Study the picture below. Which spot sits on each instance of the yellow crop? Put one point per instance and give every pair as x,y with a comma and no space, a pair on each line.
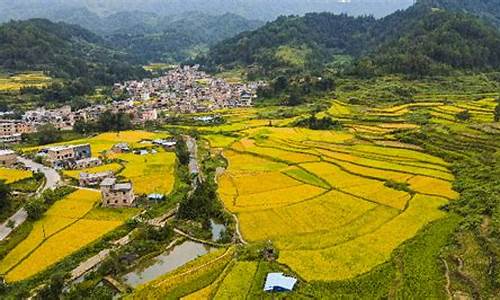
361,254
238,282
263,182
70,224
114,167
432,186
61,245
151,173
105,141
323,213
276,198
14,175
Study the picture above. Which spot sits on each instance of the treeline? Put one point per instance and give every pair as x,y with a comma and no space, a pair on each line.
417,42
72,54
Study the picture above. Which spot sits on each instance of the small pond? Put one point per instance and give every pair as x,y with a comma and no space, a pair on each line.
217,230
166,262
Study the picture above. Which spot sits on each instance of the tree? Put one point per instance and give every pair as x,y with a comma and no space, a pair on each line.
200,205
48,134
54,289
182,151
4,194
109,121
35,208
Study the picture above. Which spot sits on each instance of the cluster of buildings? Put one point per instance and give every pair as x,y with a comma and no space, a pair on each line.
189,90
77,157
182,90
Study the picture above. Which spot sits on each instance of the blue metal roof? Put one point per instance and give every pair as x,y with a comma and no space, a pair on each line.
279,282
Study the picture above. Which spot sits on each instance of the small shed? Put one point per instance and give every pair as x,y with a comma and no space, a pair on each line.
156,197
277,282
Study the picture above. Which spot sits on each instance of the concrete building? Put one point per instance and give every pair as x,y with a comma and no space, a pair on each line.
86,163
63,155
116,194
120,148
87,179
8,158
11,139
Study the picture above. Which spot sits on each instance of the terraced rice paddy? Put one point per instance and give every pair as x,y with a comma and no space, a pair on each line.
151,173
113,167
324,198
69,225
105,141
18,81
14,175
204,273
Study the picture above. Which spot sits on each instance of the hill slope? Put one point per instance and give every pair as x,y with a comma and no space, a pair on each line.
65,51
181,38
419,40
486,9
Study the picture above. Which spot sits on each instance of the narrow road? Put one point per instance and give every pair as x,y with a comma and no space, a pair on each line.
193,155
52,179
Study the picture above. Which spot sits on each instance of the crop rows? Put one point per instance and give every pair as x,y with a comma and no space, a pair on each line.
325,200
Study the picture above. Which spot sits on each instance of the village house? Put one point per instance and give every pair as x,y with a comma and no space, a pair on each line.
64,155
87,179
86,163
167,144
116,194
120,148
8,158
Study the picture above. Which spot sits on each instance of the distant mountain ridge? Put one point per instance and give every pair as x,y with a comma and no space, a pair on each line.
266,10
419,40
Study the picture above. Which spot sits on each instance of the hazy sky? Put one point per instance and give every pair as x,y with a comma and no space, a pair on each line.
255,9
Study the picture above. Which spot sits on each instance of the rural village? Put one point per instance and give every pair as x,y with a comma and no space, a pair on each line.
182,90
249,149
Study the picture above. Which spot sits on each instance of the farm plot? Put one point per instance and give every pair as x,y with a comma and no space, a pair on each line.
69,225
340,214
237,283
14,175
75,174
18,81
186,280
105,141
151,173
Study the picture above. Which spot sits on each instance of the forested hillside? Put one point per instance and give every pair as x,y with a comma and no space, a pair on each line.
418,41
65,51
486,9
179,38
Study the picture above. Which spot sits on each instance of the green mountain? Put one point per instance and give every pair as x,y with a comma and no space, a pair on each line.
419,40
179,38
487,9
65,51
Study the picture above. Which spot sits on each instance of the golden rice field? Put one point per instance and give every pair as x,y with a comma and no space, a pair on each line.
18,81
114,167
151,173
14,175
322,197
105,141
179,283
69,225
238,282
